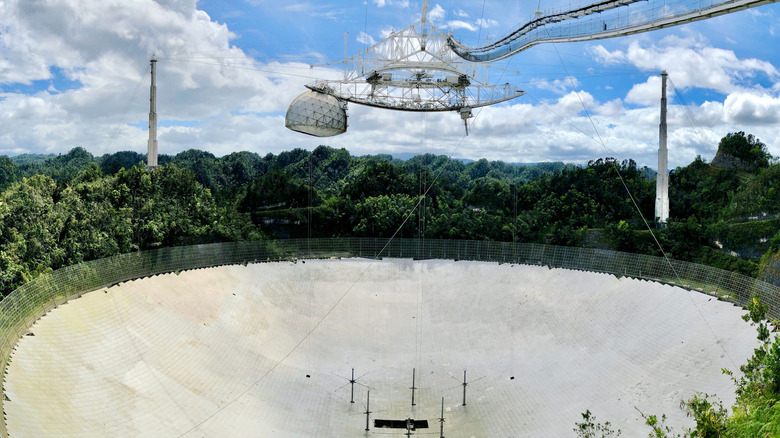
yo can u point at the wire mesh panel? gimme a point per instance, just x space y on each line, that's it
20 309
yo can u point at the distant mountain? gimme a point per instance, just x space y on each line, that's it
31 158
409 155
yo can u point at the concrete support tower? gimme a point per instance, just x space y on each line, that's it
151 155
662 179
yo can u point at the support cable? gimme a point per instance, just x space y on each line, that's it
688 114
316 326
639 211
128 105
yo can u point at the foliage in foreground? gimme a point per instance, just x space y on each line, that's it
756 412
45 225
589 428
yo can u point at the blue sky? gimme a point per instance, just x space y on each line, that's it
75 73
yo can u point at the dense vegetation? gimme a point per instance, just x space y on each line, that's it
63 209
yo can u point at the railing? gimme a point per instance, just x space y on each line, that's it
604 19
20 309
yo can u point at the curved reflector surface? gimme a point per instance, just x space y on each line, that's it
317 114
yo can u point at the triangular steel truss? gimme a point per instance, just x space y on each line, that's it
414 69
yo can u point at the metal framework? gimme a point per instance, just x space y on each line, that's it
415 69
604 19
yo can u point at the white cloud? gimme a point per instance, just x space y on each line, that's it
646 93
612 108
486 23
460 24
436 14
558 86
758 13
365 38
106 48
573 103
751 109
402 4
691 62
386 32
606 57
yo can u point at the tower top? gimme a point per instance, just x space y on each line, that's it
151 155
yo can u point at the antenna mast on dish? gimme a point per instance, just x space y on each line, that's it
151 155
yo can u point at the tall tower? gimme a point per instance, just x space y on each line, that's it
151 155
662 178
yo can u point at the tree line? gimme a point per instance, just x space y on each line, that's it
58 210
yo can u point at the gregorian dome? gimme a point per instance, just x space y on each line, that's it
317 114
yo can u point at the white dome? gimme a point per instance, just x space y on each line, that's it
317 114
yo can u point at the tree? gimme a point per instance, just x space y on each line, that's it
111 163
9 172
61 168
239 169
620 236
381 216
491 194
479 169
700 190
757 194
376 179
748 150
203 164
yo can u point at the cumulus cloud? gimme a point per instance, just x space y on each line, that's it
691 61
558 86
486 23
386 32
365 38
751 109
606 57
646 93
460 24
397 3
436 14
573 103
105 49
612 108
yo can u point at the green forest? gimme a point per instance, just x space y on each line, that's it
57 210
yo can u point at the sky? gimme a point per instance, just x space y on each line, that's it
76 73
